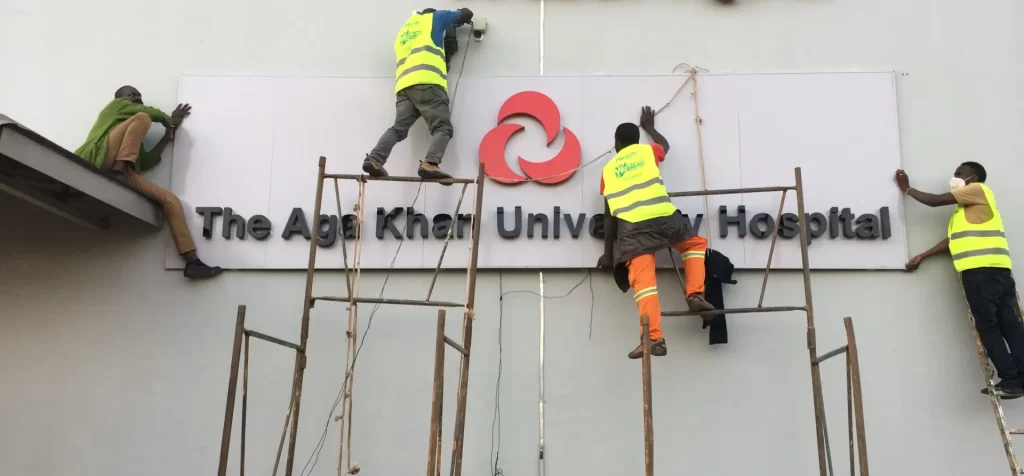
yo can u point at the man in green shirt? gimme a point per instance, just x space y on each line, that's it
114 145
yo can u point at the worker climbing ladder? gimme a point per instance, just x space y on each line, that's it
353 299
855 408
1005 432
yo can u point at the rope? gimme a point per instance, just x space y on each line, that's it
700 153
691 76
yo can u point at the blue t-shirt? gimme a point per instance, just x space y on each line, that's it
442 20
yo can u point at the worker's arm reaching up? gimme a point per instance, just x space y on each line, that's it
930 199
647 124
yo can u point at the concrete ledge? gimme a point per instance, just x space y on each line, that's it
41 172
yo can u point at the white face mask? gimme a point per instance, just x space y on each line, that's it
956 182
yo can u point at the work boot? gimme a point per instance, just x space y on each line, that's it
200 270
1007 389
374 167
431 171
658 348
696 303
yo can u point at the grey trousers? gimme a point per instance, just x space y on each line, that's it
429 101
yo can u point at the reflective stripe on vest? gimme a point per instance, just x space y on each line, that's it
980 245
633 186
417 59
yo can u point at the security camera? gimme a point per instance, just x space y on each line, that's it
479 29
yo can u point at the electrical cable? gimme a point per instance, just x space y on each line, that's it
496 421
315 456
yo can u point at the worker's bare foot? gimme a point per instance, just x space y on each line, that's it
433 172
199 270
696 303
374 168
658 348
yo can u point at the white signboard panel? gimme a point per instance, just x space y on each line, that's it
252 145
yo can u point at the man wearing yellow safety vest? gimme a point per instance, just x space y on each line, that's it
639 220
977 242
421 86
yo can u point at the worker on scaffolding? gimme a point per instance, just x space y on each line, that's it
114 145
421 86
977 242
640 219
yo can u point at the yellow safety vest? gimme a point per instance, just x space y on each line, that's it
978 245
633 186
419 61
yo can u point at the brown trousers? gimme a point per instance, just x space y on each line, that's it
123 144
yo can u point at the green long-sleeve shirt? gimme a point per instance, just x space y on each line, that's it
95 148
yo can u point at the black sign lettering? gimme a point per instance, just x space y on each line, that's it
840 222
208 213
412 219
557 223
296 224
230 218
693 226
761 225
597 226
327 236
533 220
258 227
517 226
575 228
442 225
883 213
387 220
724 220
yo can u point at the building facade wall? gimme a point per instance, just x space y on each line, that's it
110 362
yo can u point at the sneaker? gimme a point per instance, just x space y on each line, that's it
658 349
1007 389
696 303
374 167
199 270
433 172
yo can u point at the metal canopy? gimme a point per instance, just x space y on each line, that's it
41 172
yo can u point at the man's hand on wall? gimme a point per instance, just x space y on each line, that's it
902 180
180 113
647 118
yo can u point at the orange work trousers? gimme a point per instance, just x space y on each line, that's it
644 281
123 143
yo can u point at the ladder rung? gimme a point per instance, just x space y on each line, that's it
393 178
271 339
1017 432
739 310
731 191
402 302
462 350
830 354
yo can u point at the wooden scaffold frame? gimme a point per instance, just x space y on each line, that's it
352 275
855 407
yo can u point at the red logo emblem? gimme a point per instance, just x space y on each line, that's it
540 107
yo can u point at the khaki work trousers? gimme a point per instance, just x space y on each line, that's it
644 281
123 144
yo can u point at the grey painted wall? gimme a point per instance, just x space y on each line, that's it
113 365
